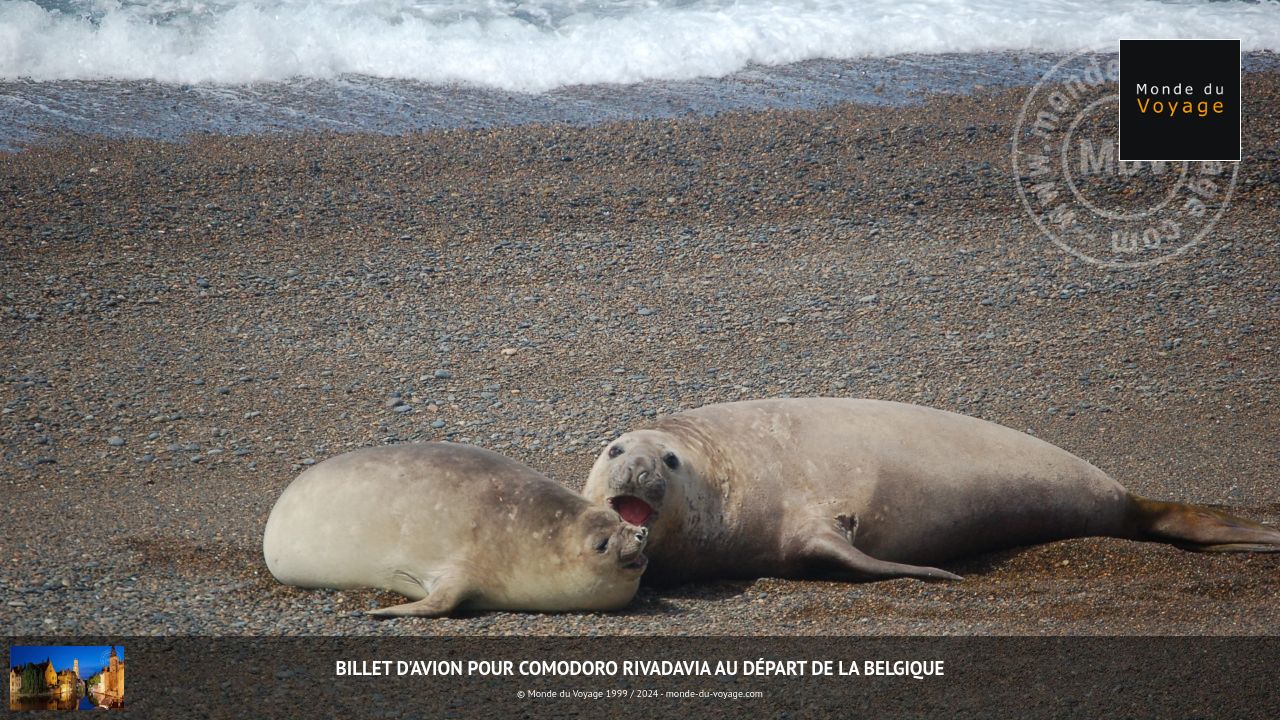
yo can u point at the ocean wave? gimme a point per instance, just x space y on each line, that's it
543 44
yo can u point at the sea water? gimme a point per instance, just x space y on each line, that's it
537 45
336 54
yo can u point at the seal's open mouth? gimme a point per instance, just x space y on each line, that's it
631 508
638 564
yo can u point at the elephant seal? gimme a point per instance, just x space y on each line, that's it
868 489
448 526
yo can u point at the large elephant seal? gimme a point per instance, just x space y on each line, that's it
868 489
451 525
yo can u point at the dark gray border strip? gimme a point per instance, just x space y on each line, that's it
1042 677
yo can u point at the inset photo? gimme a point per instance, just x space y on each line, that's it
66 677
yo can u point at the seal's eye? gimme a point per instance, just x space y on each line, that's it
671 460
602 545
615 451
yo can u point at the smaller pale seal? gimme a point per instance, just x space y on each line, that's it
451 526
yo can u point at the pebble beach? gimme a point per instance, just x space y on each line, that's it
187 325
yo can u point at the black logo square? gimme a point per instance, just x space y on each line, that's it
1180 100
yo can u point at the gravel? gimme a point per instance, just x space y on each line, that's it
854 251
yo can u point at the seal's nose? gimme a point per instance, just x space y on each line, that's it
639 470
642 535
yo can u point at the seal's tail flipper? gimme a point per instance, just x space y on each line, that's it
1201 529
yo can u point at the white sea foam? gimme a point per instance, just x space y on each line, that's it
542 44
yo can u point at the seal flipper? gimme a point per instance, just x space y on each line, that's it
1199 529
443 597
831 548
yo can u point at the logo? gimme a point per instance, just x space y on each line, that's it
1180 100
1091 204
